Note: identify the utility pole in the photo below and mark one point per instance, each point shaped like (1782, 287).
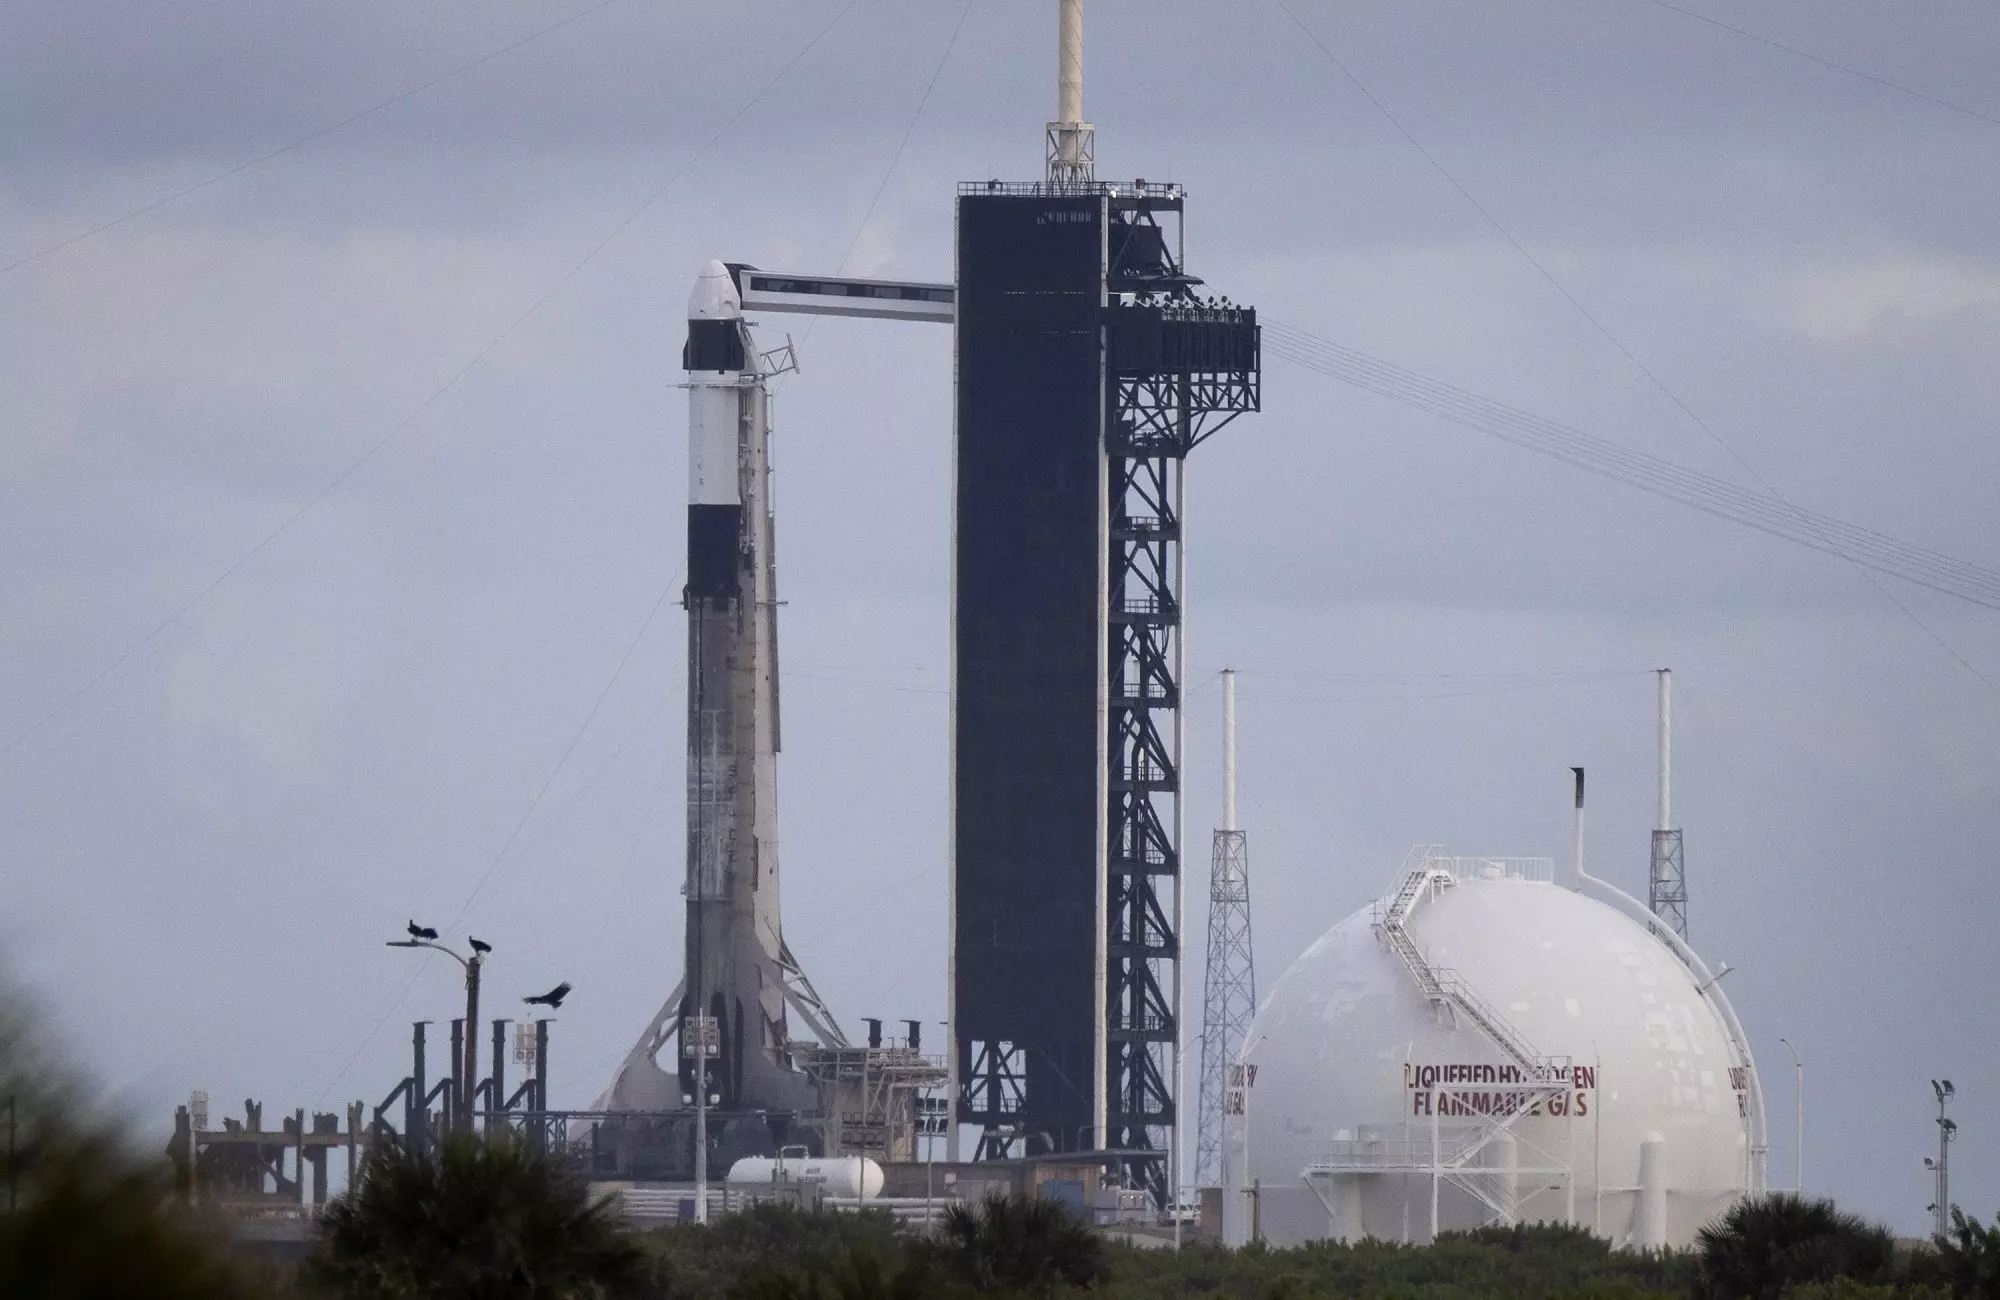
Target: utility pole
(468, 1082)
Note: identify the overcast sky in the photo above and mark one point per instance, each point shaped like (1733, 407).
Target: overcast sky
(202, 853)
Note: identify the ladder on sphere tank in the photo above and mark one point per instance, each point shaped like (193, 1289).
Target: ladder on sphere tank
(1540, 1077)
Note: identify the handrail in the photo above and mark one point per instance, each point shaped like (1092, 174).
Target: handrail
(1708, 986)
(1449, 986)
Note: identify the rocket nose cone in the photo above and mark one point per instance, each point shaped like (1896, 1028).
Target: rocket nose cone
(714, 296)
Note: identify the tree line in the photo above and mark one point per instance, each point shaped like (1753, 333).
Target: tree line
(83, 1215)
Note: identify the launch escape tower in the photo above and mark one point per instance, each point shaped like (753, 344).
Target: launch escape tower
(1088, 369)
(1229, 981)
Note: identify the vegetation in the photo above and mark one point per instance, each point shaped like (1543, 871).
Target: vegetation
(1764, 1245)
(775, 1252)
(1967, 1259)
(83, 1214)
(1533, 1261)
(1019, 1243)
(482, 1219)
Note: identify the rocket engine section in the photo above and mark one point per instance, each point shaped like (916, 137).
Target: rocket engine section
(737, 964)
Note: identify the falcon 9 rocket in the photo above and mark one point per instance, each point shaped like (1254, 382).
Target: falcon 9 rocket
(738, 968)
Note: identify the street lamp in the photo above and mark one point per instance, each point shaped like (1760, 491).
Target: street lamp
(706, 1036)
(1941, 1167)
(1799, 1120)
(421, 937)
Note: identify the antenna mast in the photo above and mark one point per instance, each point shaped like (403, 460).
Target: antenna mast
(1666, 881)
(1229, 999)
(1071, 141)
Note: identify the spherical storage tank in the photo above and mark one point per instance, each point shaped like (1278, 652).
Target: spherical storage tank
(1484, 1045)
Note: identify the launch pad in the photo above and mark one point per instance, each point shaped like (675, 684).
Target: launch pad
(1088, 368)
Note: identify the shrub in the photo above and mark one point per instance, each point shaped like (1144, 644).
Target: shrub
(483, 1219)
(1764, 1244)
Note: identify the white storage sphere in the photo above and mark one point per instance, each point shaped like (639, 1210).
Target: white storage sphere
(1349, 1064)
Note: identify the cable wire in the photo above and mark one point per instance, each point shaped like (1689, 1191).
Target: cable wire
(368, 453)
(465, 908)
(904, 143)
(889, 172)
(1829, 63)
(1820, 540)
(1718, 497)
(308, 138)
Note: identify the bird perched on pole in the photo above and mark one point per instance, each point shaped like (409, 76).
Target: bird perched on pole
(478, 946)
(553, 999)
(421, 931)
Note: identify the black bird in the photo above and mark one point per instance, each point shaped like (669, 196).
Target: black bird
(477, 946)
(553, 999)
(421, 931)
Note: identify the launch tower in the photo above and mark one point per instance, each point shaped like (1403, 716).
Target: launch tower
(1089, 367)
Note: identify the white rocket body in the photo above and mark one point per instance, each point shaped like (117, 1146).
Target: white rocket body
(737, 967)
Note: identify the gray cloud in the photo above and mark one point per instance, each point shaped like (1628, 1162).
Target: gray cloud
(201, 855)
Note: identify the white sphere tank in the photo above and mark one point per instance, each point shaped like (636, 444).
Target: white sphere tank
(839, 1178)
(1369, 1102)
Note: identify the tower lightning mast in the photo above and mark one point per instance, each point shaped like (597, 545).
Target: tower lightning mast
(1229, 995)
(1666, 880)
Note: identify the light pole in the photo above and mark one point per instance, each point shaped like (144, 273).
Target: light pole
(931, 1135)
(467, 1081)
(1941, 1167)
(700, 1049)
(1798, 1120)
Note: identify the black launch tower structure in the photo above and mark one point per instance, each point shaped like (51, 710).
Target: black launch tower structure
(1089, 366)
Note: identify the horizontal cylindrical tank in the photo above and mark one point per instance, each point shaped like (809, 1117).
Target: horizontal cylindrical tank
(844, 1178)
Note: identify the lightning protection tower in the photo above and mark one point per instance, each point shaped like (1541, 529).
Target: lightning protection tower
(1229, 996)
(1666, 882)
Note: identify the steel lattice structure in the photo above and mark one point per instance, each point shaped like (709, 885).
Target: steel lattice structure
(1229, 994)
(1667, 892)
(1179, 372)
(1229, 990)
(1666, 875)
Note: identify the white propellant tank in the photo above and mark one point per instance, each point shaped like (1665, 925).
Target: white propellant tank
(836, 1178)
(1484, 1045)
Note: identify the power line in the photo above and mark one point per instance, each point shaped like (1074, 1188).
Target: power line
(368, 454)
(908, 130)
(308, 138)
(520, 825)
(1821, 540)
(902, 144)
(1714, 496)
(597, 704)
(1810, 57)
